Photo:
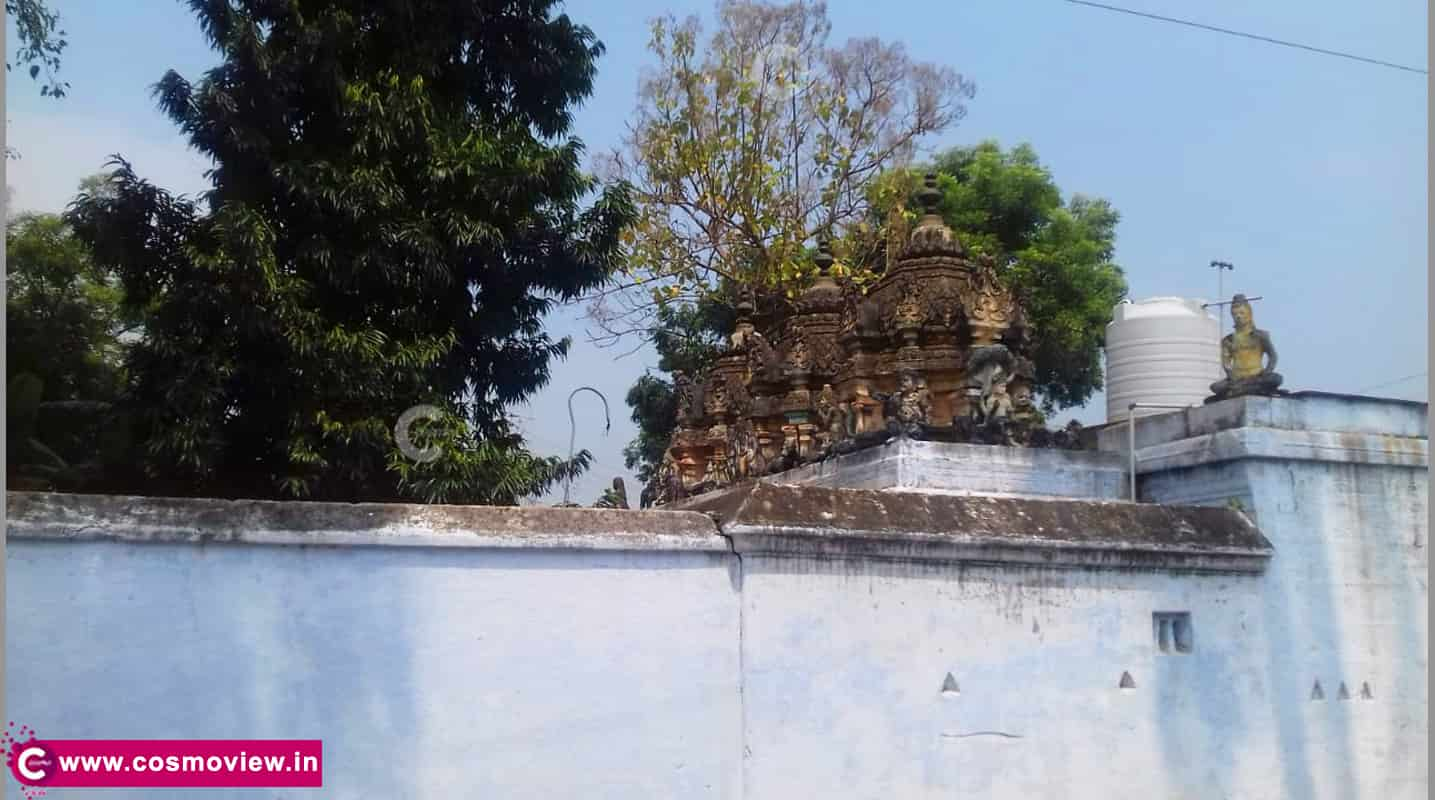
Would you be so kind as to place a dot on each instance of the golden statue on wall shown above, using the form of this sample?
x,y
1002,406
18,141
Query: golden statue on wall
x,y
1248,357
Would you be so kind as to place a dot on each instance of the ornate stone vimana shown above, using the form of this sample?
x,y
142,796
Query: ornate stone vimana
x,y
1247,356
933,351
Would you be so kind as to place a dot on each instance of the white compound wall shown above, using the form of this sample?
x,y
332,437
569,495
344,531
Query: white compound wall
x,y
562,653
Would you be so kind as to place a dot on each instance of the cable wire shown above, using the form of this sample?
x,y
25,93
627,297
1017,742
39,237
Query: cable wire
x,y
1242,34
1391,383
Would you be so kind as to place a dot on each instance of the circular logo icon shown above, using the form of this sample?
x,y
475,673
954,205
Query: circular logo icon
x,y
422,455
34,763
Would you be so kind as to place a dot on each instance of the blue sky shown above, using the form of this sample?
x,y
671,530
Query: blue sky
x,y
1306,171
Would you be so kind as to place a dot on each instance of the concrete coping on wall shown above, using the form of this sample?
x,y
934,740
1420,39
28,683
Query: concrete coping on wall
x,y
1298,411
32,515
763,519
968,469
1302,426
753,518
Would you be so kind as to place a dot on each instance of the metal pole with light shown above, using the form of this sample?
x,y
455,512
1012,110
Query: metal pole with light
x,y
573,433
1221,268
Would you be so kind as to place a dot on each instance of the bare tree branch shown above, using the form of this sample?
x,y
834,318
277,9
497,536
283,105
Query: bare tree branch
x,y
751,142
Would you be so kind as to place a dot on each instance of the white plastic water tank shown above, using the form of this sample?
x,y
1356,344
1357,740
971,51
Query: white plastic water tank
x,y
1160,350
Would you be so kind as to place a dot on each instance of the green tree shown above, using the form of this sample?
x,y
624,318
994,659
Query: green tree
x,y
751,141
1057,254
64,314
395,205
64,362
39,43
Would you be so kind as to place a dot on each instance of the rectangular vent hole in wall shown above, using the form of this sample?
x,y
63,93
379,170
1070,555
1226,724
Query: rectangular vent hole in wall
x,y
1173,631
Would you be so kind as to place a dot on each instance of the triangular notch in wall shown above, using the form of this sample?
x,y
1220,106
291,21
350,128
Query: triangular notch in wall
x,y
1127,682
1317,693
949,685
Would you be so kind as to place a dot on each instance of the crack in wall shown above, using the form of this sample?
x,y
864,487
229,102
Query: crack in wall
x,y
1001,734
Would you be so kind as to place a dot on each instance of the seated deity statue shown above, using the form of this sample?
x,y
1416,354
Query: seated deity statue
x,y
1247,356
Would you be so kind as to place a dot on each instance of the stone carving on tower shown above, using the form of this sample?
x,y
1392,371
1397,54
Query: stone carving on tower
x,y
934,349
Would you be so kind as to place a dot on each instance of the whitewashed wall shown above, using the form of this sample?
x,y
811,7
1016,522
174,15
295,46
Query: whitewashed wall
x,y
564,653
845,670
522,670
1341,488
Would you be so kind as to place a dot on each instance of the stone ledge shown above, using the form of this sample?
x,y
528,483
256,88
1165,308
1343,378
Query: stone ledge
x,y
798,521
1285,445
1300,411
965,469
70,517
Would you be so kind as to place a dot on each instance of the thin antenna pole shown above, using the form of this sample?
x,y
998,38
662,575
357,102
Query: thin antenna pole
x,y
1221,267
573,433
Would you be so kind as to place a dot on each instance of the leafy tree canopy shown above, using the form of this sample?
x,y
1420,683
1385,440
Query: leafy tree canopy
x,y
66,336
751,141
39,42
64,316
396,203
